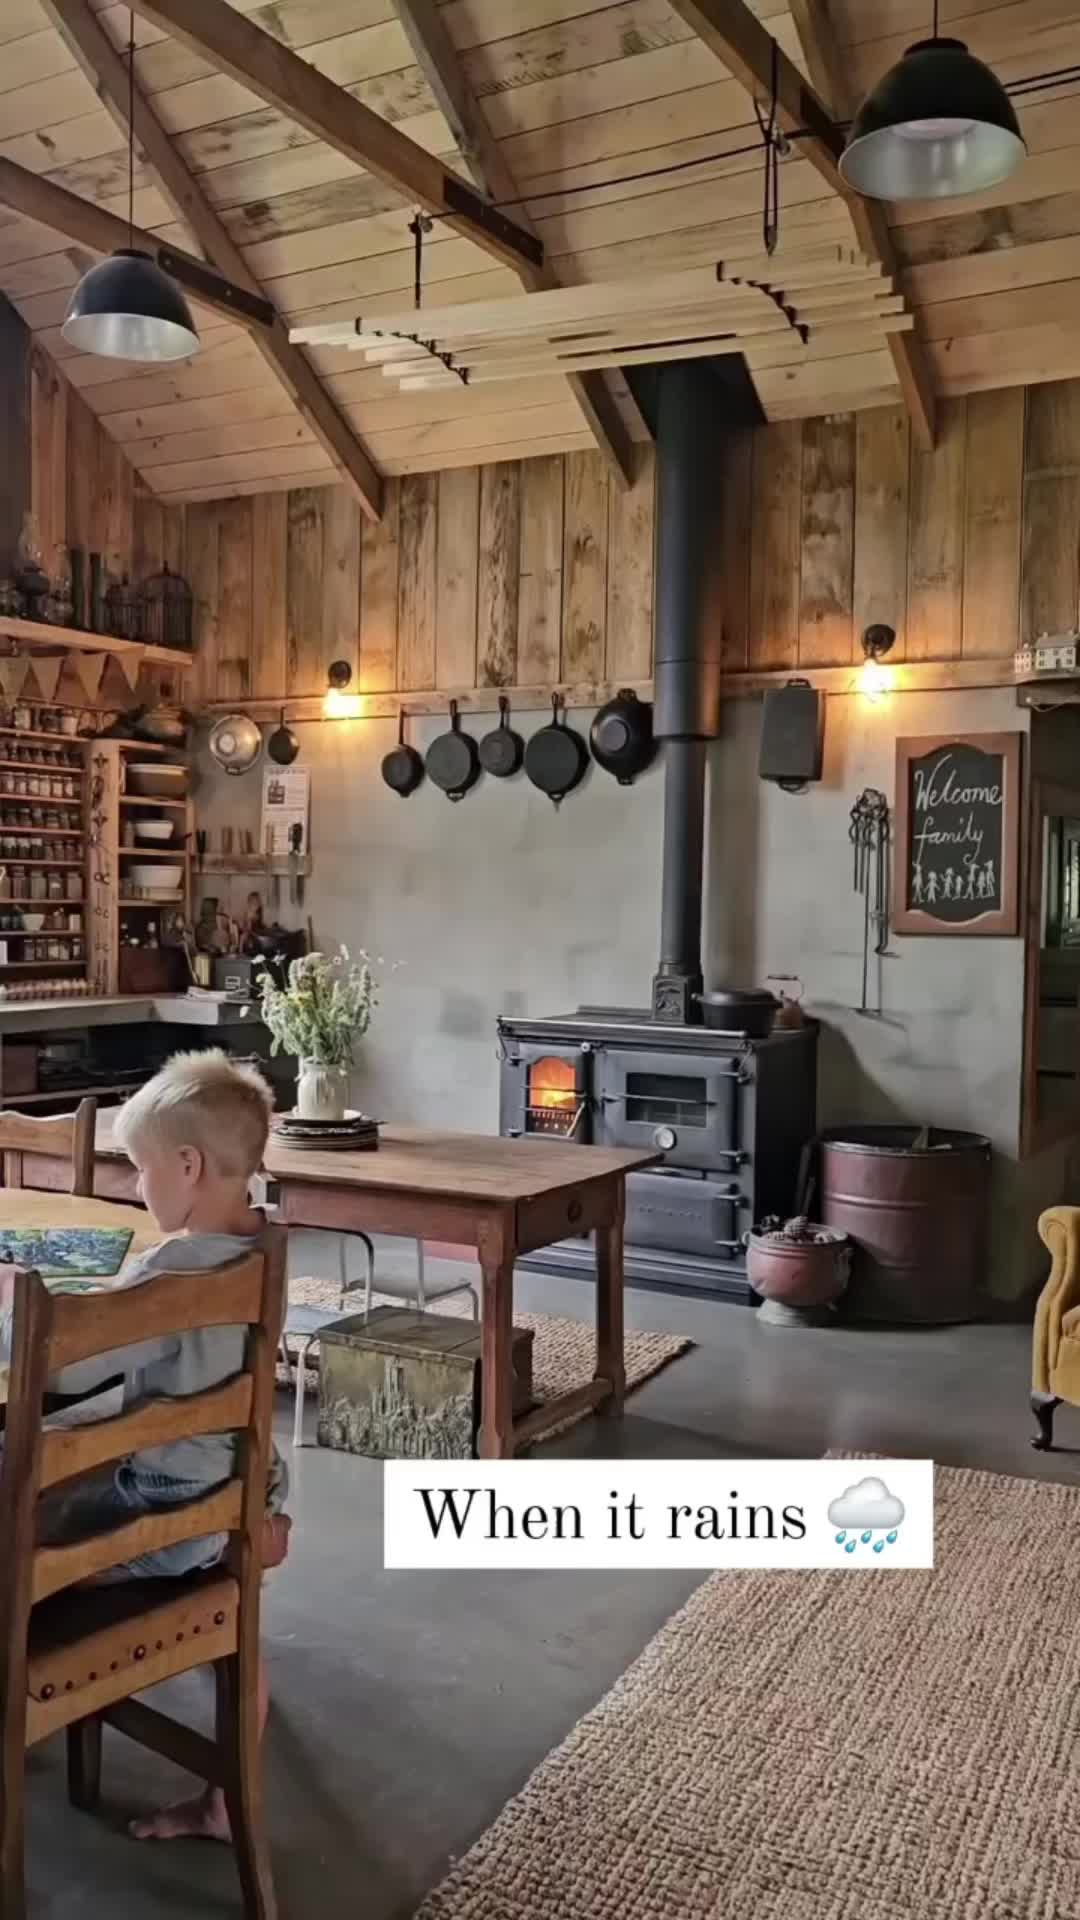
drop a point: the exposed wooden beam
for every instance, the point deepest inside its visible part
(233, 42)
(438, 60)
(749, 52)
(817, 38)
(95, 227)
(106, 69)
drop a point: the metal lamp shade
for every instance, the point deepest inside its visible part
(937, 124)
(126, 308)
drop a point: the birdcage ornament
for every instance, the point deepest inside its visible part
(166, 610)
(123, 610)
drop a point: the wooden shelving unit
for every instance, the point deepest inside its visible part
(69, 761)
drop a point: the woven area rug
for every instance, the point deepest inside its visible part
(564, 1351)
(825, 1746)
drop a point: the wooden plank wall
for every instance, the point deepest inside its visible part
(521, 573)
(82, 486)
(829, 526)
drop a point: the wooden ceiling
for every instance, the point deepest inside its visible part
(573, 94)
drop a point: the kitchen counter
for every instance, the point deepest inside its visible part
(175, 1009)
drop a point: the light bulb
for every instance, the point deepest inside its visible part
(342, 706)
(875, 681)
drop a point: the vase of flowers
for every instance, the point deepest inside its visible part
(318, 1016)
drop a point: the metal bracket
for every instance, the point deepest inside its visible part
(459, 198)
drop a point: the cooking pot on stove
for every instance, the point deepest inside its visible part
(621, 736)
(749, 1010)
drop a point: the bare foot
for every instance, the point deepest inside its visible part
(203, 1818)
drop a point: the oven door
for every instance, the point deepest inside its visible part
(684, 1212)
(545, 1092)
(683, 1106)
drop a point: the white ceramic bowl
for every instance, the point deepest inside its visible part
(155, 879)
(159, 830)
(32, 922)
(157, 780)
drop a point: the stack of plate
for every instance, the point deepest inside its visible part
(355, 1132)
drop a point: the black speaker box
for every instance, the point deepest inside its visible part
(792, 734)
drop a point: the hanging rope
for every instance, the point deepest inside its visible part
(773, 141)
(131, 128)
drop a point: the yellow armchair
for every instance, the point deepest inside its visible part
(1055, 1352)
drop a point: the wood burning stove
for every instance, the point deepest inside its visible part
(728, 1113)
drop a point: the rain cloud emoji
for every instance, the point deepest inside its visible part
(863, 1510)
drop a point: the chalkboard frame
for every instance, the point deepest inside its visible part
(995, 921)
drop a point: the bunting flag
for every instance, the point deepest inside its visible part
(47, 668)
(89, 667)
(13, 671)
(129, 664)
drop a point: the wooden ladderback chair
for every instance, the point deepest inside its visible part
(71, 1655)
(63, 1136)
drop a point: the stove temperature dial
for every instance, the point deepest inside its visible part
(665, 1138)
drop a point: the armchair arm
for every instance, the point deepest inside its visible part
(1059, 1229)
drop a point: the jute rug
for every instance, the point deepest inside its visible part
(826, 1746)
(564, 1351)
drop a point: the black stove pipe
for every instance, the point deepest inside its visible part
(686, 664)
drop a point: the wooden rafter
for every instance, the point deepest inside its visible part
(103, 232)
(233, 42)
(437, 59)
(107, 72)
(748, 51)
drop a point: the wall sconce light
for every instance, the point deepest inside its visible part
(337, 704)
(874, 679)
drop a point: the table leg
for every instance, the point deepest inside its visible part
(496, 1251)
(609, 1306)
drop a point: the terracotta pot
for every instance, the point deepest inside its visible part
(811, 1272)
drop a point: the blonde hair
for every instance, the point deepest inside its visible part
(202, 1100)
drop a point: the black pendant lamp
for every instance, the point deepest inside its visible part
(938, 124)
(127, 308)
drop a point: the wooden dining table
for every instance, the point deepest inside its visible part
(504, 1198)
(19, 1207)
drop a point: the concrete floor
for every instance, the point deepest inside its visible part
(408, 1707)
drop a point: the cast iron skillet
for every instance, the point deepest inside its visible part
(453, 759)
(556, 757)
(621, 737)
(283, 745)
(402, 767)
(502, 750)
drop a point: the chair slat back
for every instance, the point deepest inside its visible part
(51, 1331)
(82, 1325)
(64, 1136)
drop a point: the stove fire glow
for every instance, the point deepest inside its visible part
(554, 1104)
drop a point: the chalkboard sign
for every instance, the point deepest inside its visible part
(957, 834)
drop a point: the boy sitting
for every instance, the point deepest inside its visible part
(196, 1133)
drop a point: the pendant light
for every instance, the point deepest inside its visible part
(939, 123)
(126, 308)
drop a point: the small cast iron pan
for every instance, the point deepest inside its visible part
(402, 767)
(621, 737)
(283, 745)
(502, 750)
(453, 759)
(556, 757)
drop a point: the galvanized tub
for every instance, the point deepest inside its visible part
(917, 1215)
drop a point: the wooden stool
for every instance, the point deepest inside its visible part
(401, 1385)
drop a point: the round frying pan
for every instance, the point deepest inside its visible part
(283, 745)
(453, 759)
(556, 757)
(402, 767)
(502, 750)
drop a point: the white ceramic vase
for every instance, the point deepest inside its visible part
(322, 1093)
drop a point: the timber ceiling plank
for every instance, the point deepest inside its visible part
(733, 33)
(105, 66)
(438, 59)
(278, 75)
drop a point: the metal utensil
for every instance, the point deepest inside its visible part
(272, 872)
(296, 835)
(300, 872)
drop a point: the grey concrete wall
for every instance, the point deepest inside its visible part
(503, 903)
